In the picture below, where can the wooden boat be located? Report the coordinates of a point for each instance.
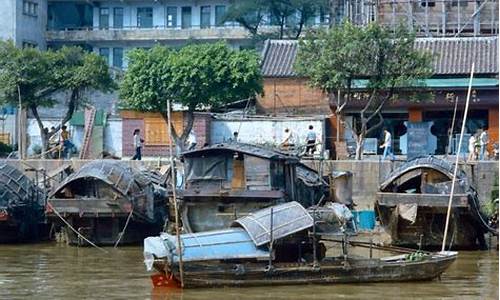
(21, 207)
(223, 182)
(412, 202)
(279, 245)
(108, 202)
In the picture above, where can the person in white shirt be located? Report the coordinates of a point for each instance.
(288, 140)
(483, 141)
(472, 148)
(137, 145)
(311, 141)
(191, 140)
(387, 145)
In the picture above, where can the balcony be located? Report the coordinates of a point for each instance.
(158, 33)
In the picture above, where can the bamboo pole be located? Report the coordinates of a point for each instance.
(457, 158)
(452, 125)
(174, 185)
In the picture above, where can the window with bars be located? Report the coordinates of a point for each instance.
(104, 52)
(118, 57)
(220, 13)
(118, 17)
(30, 8)
(104, 18)
(205, 17)
(145, 17)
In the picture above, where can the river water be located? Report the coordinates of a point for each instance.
(54, 271)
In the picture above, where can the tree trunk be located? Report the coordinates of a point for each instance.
(180, 141)
(359, 147)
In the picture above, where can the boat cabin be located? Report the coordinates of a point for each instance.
(105, 197)
(412, 204)
(225, 181)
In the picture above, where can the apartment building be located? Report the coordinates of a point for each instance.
(111, 28)
(24, 22)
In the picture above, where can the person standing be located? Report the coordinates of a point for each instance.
(310, 141)
(66, 142)
(288, 140)
(387, 145)
(472, 148)
(137, 145)
(483, 142)
(191, 140)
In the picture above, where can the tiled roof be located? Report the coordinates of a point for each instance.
(452, 56)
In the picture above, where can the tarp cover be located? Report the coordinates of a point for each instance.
(233, 243)
(288, 218)
(206, 168)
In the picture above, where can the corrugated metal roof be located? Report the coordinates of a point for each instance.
(249, 149)
(452, 56)
(288, 218)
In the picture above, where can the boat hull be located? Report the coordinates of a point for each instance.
(106, 231)
(330, 271)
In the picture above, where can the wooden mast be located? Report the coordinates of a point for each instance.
(457, 158)
(174, 194)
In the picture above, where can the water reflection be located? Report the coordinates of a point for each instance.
(50, 271)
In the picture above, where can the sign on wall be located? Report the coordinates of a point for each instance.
(418, 140)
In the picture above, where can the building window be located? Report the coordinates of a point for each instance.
(104, 18)
(171, 16)
(220, 14)
(145, 17)
(462, 3)
(30, 8)
(118, 57)
(29, 44)
(118, 17)
(104, 52)
(186, 17)
(427, 3)
(205, 17)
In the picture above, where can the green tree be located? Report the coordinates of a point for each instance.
(334, 59)
(290, 16)
(33, 77)
(196, 76)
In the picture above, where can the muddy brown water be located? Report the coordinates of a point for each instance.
(52, 271)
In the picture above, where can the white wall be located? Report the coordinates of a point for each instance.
(265, 131)
(113, 137)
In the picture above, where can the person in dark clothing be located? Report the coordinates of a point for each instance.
(137, 145)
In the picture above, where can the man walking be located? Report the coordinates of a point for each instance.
(310, 141)
(137, 145)
(387, 145)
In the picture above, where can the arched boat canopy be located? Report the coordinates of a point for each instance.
(17, 189)
(118, 175)
(442, 166)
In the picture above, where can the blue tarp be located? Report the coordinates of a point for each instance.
(234, 243)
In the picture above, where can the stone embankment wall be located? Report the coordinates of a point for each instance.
(367, 176)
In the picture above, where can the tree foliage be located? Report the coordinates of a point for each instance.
(196, 76)
(334, 59)
(288, 16)
(36, 76)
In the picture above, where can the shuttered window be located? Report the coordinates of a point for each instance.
(156, 130)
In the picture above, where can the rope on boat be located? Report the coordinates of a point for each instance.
(73, 229)
(122, 233)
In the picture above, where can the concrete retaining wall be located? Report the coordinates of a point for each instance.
(368, 174)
